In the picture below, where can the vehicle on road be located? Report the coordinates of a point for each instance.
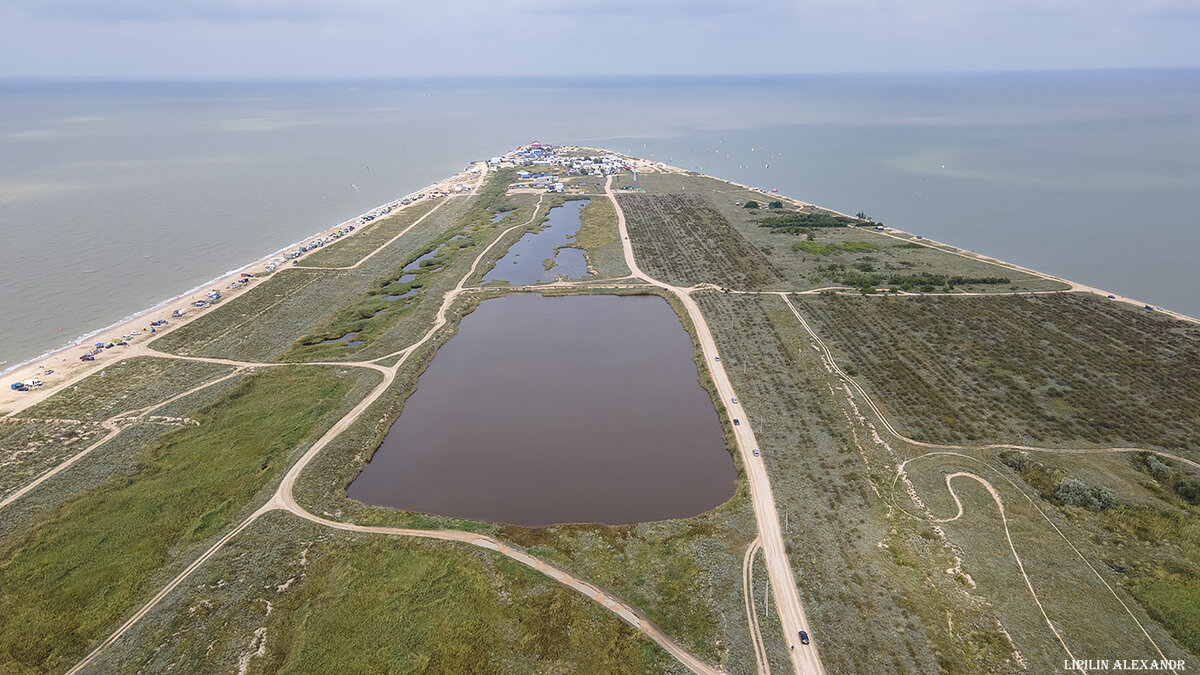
(716, 358)
(756, 452)
(736, 422)
(1112, 297)
(803, 637)
(735, 399)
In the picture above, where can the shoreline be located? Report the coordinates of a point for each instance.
(909, 237)
(68, 368)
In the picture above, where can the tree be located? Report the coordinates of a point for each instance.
(750, 205)
(775, 205)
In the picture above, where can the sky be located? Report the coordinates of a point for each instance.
(307, 39)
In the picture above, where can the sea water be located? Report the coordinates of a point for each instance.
(116, 196)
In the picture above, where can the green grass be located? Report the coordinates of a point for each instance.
(372, 317)
(1175, 603)
(322, 600)
(403, 606)
(600, 239)
(89, 562)
(1093, 622)
(804, 221)
(263, 324)
(125, 386)
(31, 447)
(817, 248)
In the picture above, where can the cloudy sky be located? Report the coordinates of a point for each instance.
(381, 38)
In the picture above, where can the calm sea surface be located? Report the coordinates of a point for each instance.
(114, 197)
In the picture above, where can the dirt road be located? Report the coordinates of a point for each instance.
(805, 658)
(283, 499)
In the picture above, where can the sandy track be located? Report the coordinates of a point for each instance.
(949, 449)
(901, 475)
(283, 499)
(381, 247)
(113, 429)
(760, 651)
(805, 658)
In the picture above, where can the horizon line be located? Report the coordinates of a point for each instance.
(586, 77)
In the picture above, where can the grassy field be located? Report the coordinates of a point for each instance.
(289, 596)
(294, 302)
(384, 326)
(684, 574)
(1048, 369)
(874, 581)
(856, 253)
(1146, 526)
(84, 565)
(600, 239)
(1091, 620)
(125, 386)
(30, 447)
(682, 240)
(367, 238)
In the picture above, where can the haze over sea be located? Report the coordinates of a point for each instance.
(116, 196)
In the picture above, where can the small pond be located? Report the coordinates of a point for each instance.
(348, 339)
(557, 410)
(525, 261)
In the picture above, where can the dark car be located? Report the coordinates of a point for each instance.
(736, 422)
(803, 637)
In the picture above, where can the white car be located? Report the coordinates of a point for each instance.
(735, 399)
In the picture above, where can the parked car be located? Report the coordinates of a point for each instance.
(736, 422)
(735, 399)
(803, 637)
(756, 452)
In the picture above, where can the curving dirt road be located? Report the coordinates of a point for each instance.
(760, 651)
(283, 499)
(948, 449)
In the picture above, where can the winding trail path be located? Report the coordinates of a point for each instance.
(284, 500)
(760, 651)
(950, 450)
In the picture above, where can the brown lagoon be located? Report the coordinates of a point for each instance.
(557, 410)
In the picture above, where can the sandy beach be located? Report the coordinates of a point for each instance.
(67, 367)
